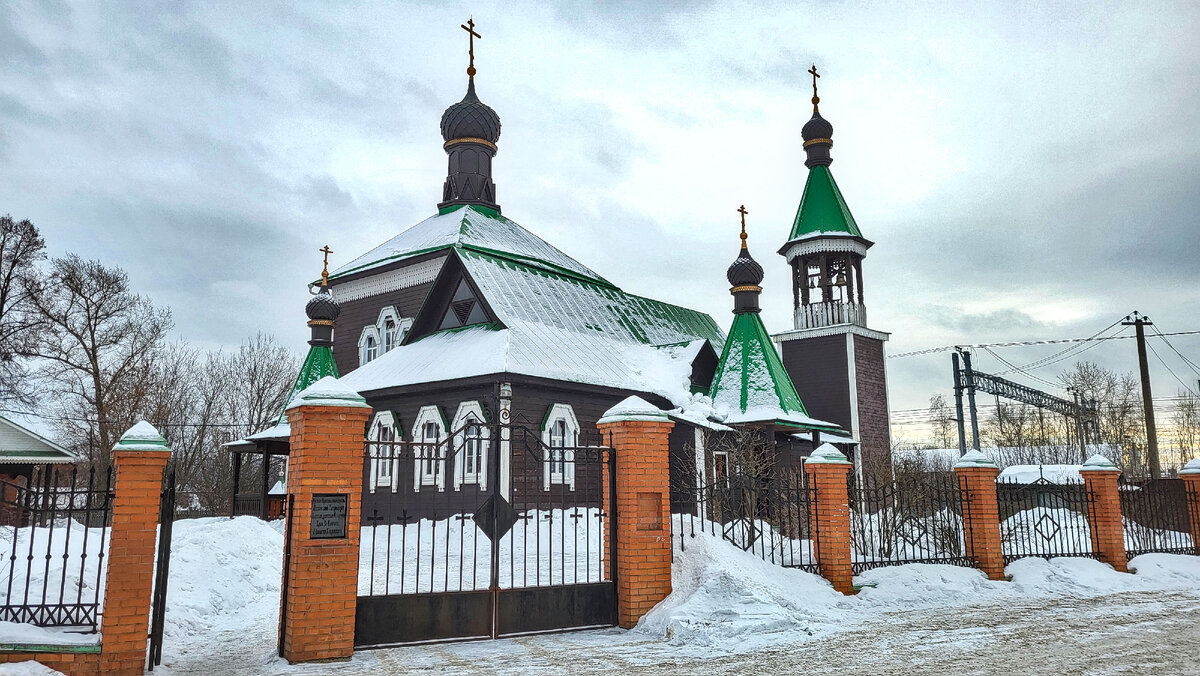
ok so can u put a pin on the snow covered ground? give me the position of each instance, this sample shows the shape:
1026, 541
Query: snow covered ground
731, 612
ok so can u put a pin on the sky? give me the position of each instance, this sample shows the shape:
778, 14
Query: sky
1027, 170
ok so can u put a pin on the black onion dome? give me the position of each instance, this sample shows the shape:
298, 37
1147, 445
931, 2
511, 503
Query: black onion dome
817, 127
470, 118
745, 271
322, 306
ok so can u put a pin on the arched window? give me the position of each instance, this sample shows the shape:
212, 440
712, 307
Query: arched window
560, 435
429, 435
471, 445
391, 328
385, 459
368, 345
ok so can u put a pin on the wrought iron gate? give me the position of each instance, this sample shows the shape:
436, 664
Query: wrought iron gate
1044, 518
489, 531
162, 567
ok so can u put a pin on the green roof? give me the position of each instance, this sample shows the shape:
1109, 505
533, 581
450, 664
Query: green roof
751, 384
318, 364
823, 210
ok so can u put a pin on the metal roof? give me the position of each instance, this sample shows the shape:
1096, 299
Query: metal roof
19, 445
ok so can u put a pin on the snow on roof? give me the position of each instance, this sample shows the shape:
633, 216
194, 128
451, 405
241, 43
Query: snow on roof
554, 326
471, 227
1027, 474
20, 445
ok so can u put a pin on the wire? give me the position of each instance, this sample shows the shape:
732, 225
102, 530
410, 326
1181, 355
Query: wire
1187, 361
1016, 368
1169, 370
1023, 343
97, 421
1066, 352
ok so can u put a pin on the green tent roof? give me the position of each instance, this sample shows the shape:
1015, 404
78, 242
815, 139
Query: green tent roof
751, 384
823, 210
318, 364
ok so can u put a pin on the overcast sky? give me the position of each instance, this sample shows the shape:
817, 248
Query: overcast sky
1026, 170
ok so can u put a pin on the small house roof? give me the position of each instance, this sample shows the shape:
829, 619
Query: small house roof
20, 445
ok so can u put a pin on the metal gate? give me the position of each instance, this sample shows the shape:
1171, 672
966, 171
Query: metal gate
162, 567
488, 531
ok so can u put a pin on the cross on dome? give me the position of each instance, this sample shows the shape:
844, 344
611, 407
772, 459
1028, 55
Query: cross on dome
815, 98
743, 212
469, 27
325, 268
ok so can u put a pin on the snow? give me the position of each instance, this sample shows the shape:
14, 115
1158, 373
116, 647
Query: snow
1098, 463
328, 391
973, 458
30, 634
27, 669
633, 408
142, 437
827, 454
1192, 467
1055, 474
59, 562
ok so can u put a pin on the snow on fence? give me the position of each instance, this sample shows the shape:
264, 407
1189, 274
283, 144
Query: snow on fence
1044, 518
771, 519
916, 518
545, 547
54, 537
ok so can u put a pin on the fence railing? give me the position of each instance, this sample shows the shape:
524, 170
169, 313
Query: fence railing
772, 518
1044, 519
54, 528
1156, 517
916, 518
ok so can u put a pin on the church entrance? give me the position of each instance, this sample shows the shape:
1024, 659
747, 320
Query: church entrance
487, 531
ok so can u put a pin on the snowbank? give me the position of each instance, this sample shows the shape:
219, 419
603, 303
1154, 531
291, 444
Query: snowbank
28, 634
27, 669
721, 592
225, 575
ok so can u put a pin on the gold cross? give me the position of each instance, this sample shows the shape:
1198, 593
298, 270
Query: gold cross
815, 99
469, 27
743, 212
325, 270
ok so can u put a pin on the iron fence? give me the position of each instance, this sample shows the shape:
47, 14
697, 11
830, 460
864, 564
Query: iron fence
914, 518
1045, 519
1156, 517
770, 516
54, 525
433, 509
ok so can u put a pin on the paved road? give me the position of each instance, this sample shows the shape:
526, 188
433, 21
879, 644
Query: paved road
1134, 632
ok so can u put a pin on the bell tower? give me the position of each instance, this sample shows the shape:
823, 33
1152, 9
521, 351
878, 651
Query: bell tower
835, 361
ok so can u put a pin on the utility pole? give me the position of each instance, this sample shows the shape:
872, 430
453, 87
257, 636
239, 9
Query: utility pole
958, 406
1138, 321
970, 378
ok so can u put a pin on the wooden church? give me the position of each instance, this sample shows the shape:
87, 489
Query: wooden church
467, 321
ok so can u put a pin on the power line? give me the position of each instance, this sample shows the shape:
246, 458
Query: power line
97, 421
1023, 343
1169, 370
1067, 352
1187, 361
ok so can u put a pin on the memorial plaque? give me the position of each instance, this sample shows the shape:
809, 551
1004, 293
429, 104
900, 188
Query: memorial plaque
329, 511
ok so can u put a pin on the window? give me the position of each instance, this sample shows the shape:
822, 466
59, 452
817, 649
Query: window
560, 434
721, 468
368, 345
429, 452
384, 456
471, 445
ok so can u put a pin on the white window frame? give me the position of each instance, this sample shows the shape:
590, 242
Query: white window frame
385, 461
429, 415
724, 456
402, 325
470, 412
368, 332
560, 412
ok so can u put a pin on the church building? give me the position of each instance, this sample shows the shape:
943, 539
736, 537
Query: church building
467, 326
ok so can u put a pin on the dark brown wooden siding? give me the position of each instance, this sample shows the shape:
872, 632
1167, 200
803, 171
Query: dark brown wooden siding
872, 402
819, 371
357, 314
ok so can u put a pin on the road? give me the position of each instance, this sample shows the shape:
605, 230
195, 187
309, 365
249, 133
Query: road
1131, 632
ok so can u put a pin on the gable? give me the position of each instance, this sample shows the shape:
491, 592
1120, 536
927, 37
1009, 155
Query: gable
454, 302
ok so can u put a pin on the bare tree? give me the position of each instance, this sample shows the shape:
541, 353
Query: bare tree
1120, 417
21, 248
100, 348
942, 419
1186, 419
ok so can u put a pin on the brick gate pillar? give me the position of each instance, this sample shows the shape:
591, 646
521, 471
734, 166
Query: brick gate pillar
325, 472
638, 433
139, 459
981, 512
1191, 482
828, 471
1104, 511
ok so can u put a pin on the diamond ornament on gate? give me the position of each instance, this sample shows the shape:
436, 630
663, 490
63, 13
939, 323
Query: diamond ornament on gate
495, 517
1046, 527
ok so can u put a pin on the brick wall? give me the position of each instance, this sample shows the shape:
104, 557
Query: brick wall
832, 549
319, 603
1104, 516
643, 565
981, 519
72, 664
